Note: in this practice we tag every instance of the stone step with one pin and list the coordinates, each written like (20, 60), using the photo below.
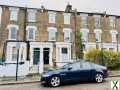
(34, 69)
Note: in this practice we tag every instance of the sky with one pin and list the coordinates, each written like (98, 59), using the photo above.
(94, 6)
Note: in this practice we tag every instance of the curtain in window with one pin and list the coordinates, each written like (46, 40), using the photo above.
(14, 53)
(30, 34)
(98, 37)
(52, 35)
(66, 19)
(67, 36)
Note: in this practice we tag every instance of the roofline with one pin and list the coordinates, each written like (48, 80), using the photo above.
(90, 13)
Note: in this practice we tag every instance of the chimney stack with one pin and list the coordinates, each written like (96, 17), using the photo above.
(68, 8)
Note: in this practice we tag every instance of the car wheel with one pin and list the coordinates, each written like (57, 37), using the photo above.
(55, 81)
(99, 78)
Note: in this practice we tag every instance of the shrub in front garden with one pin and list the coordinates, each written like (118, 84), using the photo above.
(104, 57)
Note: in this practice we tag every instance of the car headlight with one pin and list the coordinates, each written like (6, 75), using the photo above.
(45, 75)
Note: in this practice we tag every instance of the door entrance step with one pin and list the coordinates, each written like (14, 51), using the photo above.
(34, 69)
(47, 67)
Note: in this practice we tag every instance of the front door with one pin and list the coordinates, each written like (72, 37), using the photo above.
(46, 55)
(36, 56)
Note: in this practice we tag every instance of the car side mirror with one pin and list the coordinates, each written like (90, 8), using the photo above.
(69, 68)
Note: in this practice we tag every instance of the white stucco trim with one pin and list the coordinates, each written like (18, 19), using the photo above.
(84, 29)
(14, 9)
(59, 46)
(113, 32)
(97, 30)
(83, 14)
(41, 45)
(68, 14)
(106, 46)
(52, 12)
(12, 25)
(32, 10)
(34, 27)
(67, 29)
(112, 17)
(53, 28)
(10, 45)
(96, 16)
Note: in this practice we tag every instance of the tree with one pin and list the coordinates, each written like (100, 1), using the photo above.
(79, 45)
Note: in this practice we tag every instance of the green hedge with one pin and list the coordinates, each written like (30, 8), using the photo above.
(104, 57)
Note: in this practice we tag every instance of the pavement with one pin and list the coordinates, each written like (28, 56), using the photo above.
(36, 78)
(25, 79)
(114, 73)
(106, 85)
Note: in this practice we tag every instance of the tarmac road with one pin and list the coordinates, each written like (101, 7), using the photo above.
(106, 85)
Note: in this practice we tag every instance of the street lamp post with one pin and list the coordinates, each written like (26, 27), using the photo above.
(17, 64)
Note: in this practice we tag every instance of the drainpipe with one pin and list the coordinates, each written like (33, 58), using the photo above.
(25, 20)
(3, 54)
(75, 22)
(103, 62)
(24, 39)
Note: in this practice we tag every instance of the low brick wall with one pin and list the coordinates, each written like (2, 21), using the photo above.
(114, 73)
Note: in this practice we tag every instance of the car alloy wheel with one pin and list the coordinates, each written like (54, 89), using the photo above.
(55, 81)
(99, 78)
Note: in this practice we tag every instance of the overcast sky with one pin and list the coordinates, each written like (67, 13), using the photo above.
(110, 6)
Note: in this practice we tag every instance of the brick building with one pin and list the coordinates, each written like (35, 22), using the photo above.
(47, 37)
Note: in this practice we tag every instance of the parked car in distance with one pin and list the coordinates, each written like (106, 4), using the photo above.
(75, 71)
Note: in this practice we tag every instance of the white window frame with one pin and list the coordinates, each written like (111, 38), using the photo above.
(59, 58)
(85, 33)
(112, 20)
(67, 18)
(54, 30)
(113, 36)
(98, 34)
(31, 17)
(84, 20)
(69, 31)
(97, 21)
(0, 15)
(34, 30)
(52, 16)
(13, 13)
(9, 28)
(9, 47)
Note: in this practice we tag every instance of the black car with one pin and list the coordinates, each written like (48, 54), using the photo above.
(76, 71)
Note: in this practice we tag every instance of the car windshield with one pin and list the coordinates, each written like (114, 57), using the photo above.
(66, 66)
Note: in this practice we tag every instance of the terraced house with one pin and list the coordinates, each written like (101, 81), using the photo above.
(47, 37)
